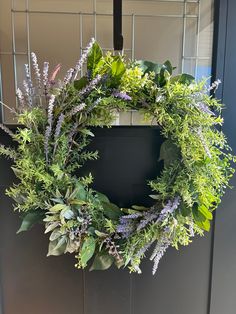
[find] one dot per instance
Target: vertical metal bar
(184, 33)
(1, 111)
(117, 26)
(198, 36)
(28, 34)
(133, 38)
(81, 36)
(95, 18)
(14, 47)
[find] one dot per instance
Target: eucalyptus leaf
(57, 247)
(87, 250)
(29, 220)
(102, 261)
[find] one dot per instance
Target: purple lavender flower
(82, 59)
(125, 228)
(27, 91)
(57, 131)
(143, 250)
(20, 97)
(36, 69)
(148, 217)
(169, 208)
(68, 76)
(97, 102)
(45, 77)
(50, 109)
(204, 108)
(87, 89)
(158, 253)
(77, 109)
(121, 95)
(28, 77)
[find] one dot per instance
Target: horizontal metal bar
(104, 14)
(6, 53)
(197, 58)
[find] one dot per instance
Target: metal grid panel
(94, 15)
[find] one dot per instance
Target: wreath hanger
(117, 27)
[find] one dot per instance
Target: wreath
(55, 117)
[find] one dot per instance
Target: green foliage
(47, 162)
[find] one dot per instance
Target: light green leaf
(117, 68)
(94, 56)
(57, 247)
(87, 250)
(51, 227)
(57, 208)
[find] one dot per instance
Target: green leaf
(183, 79)
(81, 83)
(94, 56)
(57, 208)
(102, 197)
(117, 69)
(197, 215)
(102, 261)
(136, 207)
(57, 247)
(205, 225)
(100, 234)
(185, 210)
(51, 226)
(206, 213)
(148, 66)
(55, 235)
(67, 213)
(169, 152)
(87, 250)
(111, 211)
(87, 132)
(168, 66)
(29, 220)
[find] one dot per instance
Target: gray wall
(200, 279)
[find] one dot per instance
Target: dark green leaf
(102, 261)
(102, 197)
(29, 220)
(148, 66)
(111, 211)
(183, 78)
(81, 83)
(169, 152)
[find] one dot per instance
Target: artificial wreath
(55, 117)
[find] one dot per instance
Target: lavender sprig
(169, 208)
(204, 108)
(76, 109)
(158, 253)
(20, 97)
(36, 69)
(214, 86)
(28, 77)
(28, 91)
(58, 131)
(87, 89)
(49, 126)
(6, 130)
(68, 76)
(45, 77)
(121, 95)
(148, 217)
(82, 59)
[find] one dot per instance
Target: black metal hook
(117, 25)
